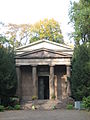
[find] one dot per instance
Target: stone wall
(60, 75)
(60, 80)
(27, 83)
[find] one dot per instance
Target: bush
(17, 107)
(69, 107)
(53, 97)
(53, 107)
(2, 108)
(34, 97)
(10, 108)
(14, 101)
(86, 102)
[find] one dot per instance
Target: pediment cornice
(42, 53)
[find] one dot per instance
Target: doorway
(43, 87)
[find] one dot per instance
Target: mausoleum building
(42, 70)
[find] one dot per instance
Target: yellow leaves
(1, 46)
(47, 29)
(16, 33)
(44, 29)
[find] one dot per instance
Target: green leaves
(22, 34)
(86, 102)
(8, 82)
(80, 18)
(80, 78)
(46, 29)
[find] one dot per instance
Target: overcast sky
(31, 11)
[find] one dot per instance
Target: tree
(22, 34)
(17, 35)
(8, 81)
(3, 40)
(80, 18)
(80, 79)
(46, 29)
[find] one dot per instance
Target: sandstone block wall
(27, 83)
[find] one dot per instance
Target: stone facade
(42, 70)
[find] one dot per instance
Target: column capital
(17, 66)
(51, 65)
(68, 65)
(34, 65)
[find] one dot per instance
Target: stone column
(68, 71)
(34, 78)
(55, 79)
(51, 82)
(19, 84)
(68, 82)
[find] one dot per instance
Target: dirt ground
(45, 115)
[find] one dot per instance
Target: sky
(31, 11)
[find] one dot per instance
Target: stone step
(46, 104)
(40, 104)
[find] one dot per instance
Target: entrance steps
(46, 104)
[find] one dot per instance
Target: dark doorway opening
(43, 87)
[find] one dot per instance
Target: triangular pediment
(42, 53)
(44, 44)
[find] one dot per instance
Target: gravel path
(45, 115)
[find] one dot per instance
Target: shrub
(34, 97)
(14, 101)
(10, 108)
(86, 102)
(69, 107)
(82, 105)
(53, 107)
(17, 107)
(2, 108)
(53, 97)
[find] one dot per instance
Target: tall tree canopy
(23, 34)
(80, 18)
(3, 40)
(8, 81)
(18, 35)
(46, 29)
(80, 78)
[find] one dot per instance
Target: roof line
(44, 40)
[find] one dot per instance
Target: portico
(42, 70)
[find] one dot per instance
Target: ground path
(45, 115)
